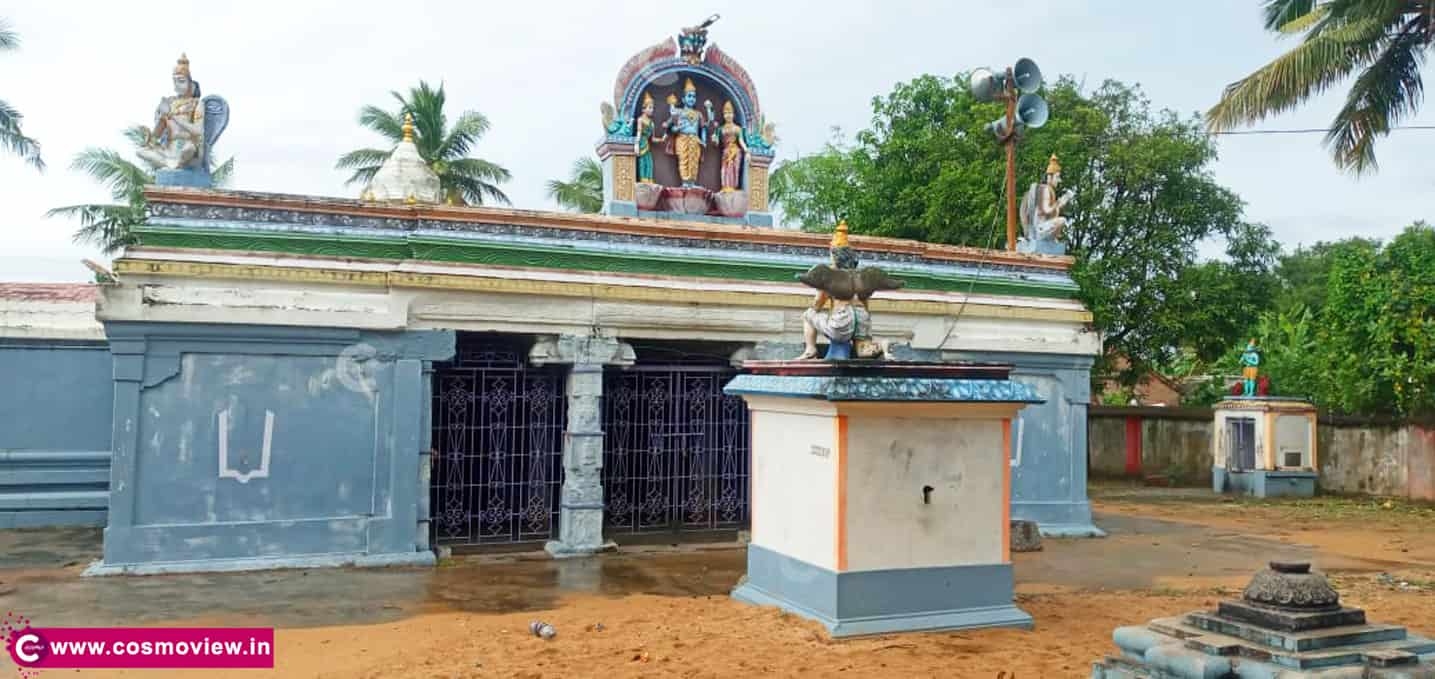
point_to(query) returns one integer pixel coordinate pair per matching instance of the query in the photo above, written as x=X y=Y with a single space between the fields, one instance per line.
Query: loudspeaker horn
x=1031 y=110
x=997 y=128
x=985 y=86
x=1027 y=75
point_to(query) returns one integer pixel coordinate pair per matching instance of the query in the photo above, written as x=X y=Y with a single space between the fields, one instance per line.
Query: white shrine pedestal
x=881 y=494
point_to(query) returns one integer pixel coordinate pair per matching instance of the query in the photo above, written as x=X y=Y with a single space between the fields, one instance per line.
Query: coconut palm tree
x=1382 y=42
x=11 y=137
x=583 y=192
x=108 y=225
x=464 y=180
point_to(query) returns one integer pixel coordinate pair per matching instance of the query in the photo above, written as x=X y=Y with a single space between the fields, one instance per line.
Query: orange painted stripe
x=841 y=532
x=1006 y=489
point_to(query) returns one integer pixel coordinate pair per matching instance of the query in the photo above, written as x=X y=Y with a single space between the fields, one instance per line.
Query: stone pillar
x=580 y=519
x=619 y=176
x=758 y=213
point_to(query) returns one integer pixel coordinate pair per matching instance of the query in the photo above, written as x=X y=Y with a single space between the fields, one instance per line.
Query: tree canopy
x=1144 y=199
x=583 y=192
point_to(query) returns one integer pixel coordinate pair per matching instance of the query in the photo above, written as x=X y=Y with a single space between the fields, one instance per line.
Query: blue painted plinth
x=193 y=177
x=860 y=603
x=1264 y=483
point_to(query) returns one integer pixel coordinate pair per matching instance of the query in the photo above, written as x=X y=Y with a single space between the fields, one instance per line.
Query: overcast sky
x=296 y=73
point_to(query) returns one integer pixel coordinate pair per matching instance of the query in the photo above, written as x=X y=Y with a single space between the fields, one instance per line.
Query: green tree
x=109 y=225
x=463 y=180
x=12 y=137
x=1382 y=42
x=927 y=170
x=583 y=192
x=1303 y=273
x=1377 y=330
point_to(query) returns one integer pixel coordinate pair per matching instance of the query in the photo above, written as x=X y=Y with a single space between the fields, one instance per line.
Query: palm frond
x=9 y=39
x=124 y=179
x=362 y=175
x=385 y=123
x=477 y=168
x=136 y=135
x=1304 y=22
x=1293 y=77
x=13 y=139
x=474 y=191
x=466 y=131
x=1278 y=13
x=108 y=227
x=223 y=173
x=1381 y=96
x=362 y=157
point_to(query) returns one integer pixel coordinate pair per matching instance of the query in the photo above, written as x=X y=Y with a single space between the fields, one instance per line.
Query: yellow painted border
x=569 y=289
x=1270 y=438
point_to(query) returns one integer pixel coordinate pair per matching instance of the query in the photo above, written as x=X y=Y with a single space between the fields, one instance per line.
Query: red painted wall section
x=1133 y=445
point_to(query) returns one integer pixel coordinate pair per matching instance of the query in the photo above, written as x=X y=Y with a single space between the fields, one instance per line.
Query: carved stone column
x=580 y=519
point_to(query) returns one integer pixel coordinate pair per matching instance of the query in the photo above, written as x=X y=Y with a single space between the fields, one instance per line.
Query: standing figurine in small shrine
x=848 y=325
x=1250 y=368
x=689 y=128
x=643 y=142
x=734 y=147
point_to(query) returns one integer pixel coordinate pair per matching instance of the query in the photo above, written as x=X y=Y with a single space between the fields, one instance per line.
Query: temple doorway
x=676 y=449
x=498 y=427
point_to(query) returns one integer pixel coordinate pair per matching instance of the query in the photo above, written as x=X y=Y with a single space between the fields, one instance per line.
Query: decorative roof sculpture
x=185 y=130
x=839 y=311
x=668 y=153
x=1041 y=220
x=404 y=177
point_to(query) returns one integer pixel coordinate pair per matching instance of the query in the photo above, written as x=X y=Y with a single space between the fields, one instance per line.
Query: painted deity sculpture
x=689 y=132
x=734 y=148
x=1250 y=368
x=1041 y=219
x=643 y=142
x=839 y=310
x=177 y=139
x=185 y=129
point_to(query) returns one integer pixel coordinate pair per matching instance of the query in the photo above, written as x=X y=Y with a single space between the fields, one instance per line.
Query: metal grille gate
x=1241 y=437
x=676 y=451
x=498 y=441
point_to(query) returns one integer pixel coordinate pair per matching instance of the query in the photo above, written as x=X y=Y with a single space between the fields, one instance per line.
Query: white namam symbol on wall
x=262 y=471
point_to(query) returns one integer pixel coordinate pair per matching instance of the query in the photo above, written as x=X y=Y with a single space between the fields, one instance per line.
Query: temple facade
x=303 y=381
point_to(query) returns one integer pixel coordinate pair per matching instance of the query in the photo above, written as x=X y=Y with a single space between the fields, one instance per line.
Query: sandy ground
x=665 y=613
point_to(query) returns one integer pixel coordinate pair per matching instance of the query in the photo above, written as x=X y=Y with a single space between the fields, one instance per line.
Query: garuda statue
x=1041 y=220
x=185 y=129
x=839 y=312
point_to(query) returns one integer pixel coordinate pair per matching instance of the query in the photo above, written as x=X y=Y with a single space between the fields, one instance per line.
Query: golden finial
x=368 y=196
x=412 y=199
x=1053 y=166
x=183 y=65
x=839 y=235
x=408 y=127
x=689 y=87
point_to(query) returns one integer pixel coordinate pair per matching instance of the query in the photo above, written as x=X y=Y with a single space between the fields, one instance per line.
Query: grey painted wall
x=55 y=404
x=1049 y=480
x=343 y=413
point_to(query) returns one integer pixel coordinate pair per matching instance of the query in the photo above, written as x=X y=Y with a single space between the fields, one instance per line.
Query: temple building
x=301 y=380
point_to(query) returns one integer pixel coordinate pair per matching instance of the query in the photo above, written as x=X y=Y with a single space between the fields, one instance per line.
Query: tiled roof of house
x=49 y=292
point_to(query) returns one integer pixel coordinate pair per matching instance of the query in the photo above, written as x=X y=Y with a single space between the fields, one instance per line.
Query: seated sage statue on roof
x=839 y=311
x=185 y=129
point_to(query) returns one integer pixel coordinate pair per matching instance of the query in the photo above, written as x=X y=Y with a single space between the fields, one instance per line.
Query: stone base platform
x=1264 y=483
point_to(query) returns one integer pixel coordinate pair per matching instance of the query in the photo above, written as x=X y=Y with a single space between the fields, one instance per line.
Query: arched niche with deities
x=684 y=157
